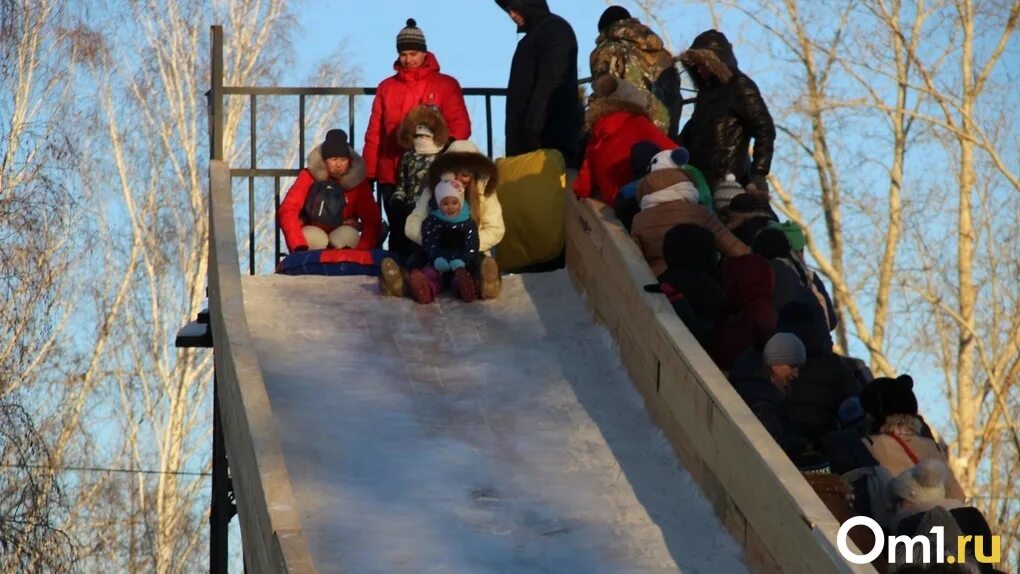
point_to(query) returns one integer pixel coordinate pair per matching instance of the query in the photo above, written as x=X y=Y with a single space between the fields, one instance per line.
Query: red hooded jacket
x=359 y=205
x=396 y=96
x=615 y=127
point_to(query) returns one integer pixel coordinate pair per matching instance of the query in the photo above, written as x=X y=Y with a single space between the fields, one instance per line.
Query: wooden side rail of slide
x=756 y=491
x=270 y=526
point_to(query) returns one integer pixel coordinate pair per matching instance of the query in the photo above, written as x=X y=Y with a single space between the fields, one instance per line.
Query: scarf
x=683 y=191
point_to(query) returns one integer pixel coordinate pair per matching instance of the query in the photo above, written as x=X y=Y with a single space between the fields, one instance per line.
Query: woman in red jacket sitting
x=417 y=81
x=331 y=203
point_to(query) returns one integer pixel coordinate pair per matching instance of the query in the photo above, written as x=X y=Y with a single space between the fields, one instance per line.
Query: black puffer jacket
x=728 y=112
x=825 y=379
x=543 y=108
x=750 y=378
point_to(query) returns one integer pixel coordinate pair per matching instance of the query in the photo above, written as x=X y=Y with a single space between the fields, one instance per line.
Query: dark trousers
x=399 y=244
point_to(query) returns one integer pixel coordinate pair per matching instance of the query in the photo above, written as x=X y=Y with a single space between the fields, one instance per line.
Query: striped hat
x=411 y=38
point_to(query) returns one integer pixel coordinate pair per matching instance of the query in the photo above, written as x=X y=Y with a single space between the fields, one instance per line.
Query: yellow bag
x=531 y=190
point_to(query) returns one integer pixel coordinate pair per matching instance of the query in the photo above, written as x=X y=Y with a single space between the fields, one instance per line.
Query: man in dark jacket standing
x=543 y=108
x=728 y=112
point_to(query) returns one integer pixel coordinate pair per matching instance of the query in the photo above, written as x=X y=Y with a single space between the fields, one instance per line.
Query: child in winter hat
x=626 y=203
x=669 y=197
x=450 y=238
x=678 y=159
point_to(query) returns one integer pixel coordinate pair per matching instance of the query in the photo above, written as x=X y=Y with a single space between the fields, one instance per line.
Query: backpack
x=920 y=524
x=873 y=494
x=324 y=206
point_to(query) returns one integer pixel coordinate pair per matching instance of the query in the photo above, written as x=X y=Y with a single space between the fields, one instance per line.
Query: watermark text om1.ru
x=909 y=543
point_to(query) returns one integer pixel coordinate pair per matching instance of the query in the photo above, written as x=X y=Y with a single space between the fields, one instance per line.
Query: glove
x=441 y=265
x=456 y=264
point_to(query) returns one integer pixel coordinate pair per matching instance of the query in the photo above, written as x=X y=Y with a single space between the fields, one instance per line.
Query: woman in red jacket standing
x=417 y=81
x=314 y=216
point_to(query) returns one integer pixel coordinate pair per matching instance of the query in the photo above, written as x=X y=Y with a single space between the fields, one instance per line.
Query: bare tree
x=140 y=406
x=151 y=122
x=36 y=222
x=895 y=156
x=31 y=498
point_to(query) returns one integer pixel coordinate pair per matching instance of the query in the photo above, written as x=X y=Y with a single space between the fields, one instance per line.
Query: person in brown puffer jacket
x=668 y=198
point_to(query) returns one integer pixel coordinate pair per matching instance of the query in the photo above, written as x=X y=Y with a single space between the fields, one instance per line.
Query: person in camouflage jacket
x=629 y=50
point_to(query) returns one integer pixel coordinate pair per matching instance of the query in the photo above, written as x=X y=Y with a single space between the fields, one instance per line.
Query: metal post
x=220 y=512
x=216 y=133
x=301 y=131
x=488 y=123
x=251 y=195
x=350 y=118
x=276 y=226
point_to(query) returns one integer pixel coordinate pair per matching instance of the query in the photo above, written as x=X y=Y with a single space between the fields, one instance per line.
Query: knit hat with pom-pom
x=669 y=159
x=725 y=191
x=411 y=38
x=887 y=396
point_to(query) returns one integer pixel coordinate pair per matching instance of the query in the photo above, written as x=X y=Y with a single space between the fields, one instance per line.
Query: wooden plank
x=270 y=525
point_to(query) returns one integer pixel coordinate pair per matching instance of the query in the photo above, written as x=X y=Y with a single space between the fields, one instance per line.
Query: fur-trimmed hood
x=710 y=57
x=354 y=176
x=610 y=95
x=601 y=108
x=427 y=116
x=453 y=161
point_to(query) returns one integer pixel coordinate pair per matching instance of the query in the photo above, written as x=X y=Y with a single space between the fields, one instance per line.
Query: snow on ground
x=501 y=436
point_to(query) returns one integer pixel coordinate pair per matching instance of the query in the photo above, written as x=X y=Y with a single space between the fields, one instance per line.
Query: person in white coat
x=461 y=161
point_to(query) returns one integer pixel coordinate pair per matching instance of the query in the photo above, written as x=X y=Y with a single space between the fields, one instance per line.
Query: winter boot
x=391 y=279
x=464 y=285
x=424 y=284
x=491 y=281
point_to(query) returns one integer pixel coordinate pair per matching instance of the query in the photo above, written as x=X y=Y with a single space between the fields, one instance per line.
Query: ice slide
x=501 y=436
x=369 y=434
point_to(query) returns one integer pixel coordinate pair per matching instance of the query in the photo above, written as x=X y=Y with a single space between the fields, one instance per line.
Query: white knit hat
x=449 y=188
x=924 y=482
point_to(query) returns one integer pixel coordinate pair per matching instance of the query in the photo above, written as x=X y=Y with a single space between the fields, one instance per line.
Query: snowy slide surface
x=498 y=436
